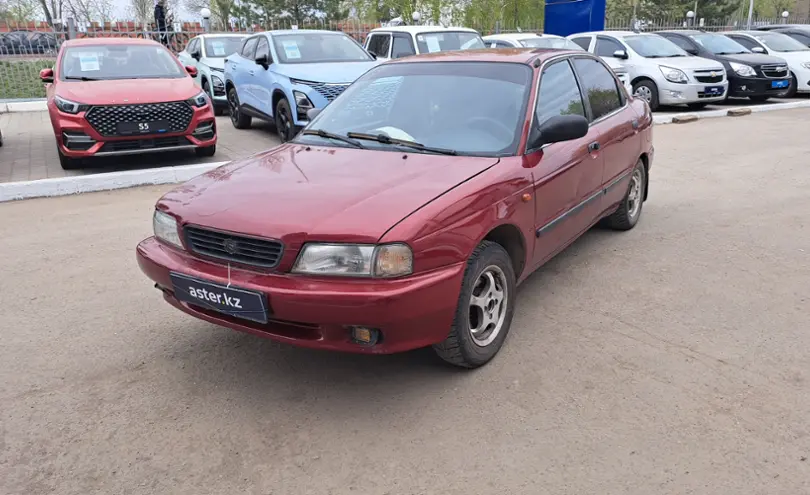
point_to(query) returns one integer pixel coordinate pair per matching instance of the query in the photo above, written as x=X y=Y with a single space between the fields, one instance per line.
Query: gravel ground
x=671 y=359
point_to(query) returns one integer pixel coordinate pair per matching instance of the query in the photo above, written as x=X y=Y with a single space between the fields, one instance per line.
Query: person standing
x=160 y=21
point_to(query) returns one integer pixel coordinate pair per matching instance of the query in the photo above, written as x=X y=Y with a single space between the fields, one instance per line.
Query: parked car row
x=27 y=43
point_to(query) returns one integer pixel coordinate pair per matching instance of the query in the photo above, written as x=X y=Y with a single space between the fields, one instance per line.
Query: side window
x=803 y=38
x=606 y=47
x=403 y=46
x=682 y=43
x=263 y=48
x=249 y=49
x=585 y=42
x=746 y=42
x=378 y=44
x=559 y=93
x=599 y=86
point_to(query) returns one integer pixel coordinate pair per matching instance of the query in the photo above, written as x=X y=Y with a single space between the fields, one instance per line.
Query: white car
x=403 y=41
x=660 y=72
x=207 y=53
x=551 y=41
x=794 y=52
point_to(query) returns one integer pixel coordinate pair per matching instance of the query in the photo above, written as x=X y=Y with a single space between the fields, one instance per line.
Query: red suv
x=120 y=96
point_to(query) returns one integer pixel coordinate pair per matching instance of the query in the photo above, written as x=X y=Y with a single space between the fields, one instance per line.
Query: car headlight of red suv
x=68 y=106
x=199 y=101
x=355 y=260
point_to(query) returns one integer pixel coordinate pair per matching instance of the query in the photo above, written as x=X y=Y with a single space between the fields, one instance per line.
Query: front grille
x=105 y=119
x=144 y=144
x=329 y=91
x=265 y=253
x=774 y=71
x=707 y=77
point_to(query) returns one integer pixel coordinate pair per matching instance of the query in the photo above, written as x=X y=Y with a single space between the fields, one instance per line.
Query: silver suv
x=660 y=71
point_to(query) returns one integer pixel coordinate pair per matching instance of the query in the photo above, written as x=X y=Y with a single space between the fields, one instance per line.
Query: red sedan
x=410 y=208
x=119 y=96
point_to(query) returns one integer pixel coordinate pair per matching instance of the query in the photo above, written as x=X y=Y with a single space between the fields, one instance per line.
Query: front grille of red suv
x=265 y=253
x=105 y=119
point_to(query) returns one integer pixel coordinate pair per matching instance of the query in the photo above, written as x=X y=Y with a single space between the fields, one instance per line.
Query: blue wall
x=564 y=17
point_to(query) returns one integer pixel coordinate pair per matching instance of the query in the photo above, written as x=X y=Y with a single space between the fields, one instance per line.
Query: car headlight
x=200 y=100
x=743 y=70
x=673 y=75
x=358 y=260
x=216 y=81
x=806 y=65
x=165 y=227
x=68 y=106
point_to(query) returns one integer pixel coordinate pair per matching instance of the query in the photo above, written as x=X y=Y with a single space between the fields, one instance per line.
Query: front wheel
x=647 y=91
x=794 y=86
x=67 y=162
x=206 y=152
x=626 y=217
x=285 y=126
x=485 y=308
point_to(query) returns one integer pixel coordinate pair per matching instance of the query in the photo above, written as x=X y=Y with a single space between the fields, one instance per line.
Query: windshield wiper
x=330 y=135
x=81 y=78
x=382 y=138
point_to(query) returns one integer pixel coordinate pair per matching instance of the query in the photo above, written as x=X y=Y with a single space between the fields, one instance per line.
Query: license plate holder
x=780 y=84
x=232 y=301
x=713 y=90
x=135 y=128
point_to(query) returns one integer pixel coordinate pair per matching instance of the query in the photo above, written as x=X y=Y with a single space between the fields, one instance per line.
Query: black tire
x=460 y=347
x=68 y=163
x=759 y=98
x=696 y=106
x=207 y=151
x=653 y=89
x=1 y=139
x=627 y=216
x=794 y=87
x=238 y=119
x=285 y=126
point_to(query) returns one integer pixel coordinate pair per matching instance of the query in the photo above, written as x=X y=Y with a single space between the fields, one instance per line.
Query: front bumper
x=755 y=86
x=803 y=79
x=76 y=138
x=314 y=312
x=681 y=94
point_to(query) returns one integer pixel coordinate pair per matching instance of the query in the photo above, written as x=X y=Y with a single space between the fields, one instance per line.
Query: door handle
x=250 y=72
x=594 y=146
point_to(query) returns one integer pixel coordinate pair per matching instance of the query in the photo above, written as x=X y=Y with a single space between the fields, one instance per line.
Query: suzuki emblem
x=230 y=246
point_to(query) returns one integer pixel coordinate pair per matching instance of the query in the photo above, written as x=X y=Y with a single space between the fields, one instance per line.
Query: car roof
x=685 y=32
x=421 y=29
x=750 y=33
x=492 y=55
x=222 y=35
x=519 y=36
x=109 y=41
x=615 y=34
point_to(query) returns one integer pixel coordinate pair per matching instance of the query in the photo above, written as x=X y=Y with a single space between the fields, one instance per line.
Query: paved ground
x=671 y=359
x=29 y=152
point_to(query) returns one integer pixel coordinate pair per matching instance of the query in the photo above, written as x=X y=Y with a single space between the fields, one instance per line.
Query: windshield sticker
x=218 y=48
x=89 y=63
x=291 y=49
x=433 y=44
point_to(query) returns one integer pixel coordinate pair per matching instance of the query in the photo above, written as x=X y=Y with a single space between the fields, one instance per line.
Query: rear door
x=568 y=176
x=616 y=124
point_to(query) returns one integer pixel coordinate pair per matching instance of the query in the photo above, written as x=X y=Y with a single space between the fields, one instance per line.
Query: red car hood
x=298 y=193
x=128 y=91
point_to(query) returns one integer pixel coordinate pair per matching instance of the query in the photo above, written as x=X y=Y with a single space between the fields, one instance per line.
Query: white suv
x=553 y=42
x=403 y=41
x=660 y=71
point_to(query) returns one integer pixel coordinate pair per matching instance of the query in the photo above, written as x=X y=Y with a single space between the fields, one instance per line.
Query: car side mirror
x=758 y=49
x=196 y=56
x=692 y=51
x=373 y=55
x=264 y=61
x=192 y=71
x=46 y=75
x=558 y=129
x=312 y=113
x=622 y=54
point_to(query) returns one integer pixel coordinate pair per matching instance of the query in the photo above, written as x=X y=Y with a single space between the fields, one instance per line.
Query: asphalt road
x=671 y=359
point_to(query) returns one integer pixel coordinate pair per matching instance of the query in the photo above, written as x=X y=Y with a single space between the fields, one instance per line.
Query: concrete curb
x=24 y=106
x=711 y=114
x=64 y=186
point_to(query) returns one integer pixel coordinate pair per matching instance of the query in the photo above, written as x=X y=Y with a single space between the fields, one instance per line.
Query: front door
x=264 y=79
x=568 y=175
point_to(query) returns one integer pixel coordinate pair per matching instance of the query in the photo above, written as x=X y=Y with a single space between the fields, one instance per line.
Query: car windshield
x=448 y=40
x=719 y=44
x=553 y=43
x=221 y=47
x=472 y=108
x=119 y=62
x=779 y=42
x=303 y=47
x=654 y=46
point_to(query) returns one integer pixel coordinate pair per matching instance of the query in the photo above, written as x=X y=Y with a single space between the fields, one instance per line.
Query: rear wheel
x=485 y=309
x=647 y=91
x=66 y=162
x=626 y=217
x=238 y=119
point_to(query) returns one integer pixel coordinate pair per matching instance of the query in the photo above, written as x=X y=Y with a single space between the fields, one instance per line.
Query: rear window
x=119 y=62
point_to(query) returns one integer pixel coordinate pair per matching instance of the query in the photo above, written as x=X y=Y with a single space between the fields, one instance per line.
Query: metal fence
x=26 y=49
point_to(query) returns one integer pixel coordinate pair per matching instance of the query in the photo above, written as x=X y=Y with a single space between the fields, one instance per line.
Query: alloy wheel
x=233 y=106
x=488 y=306
x=644 y=93
x=635 y=196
